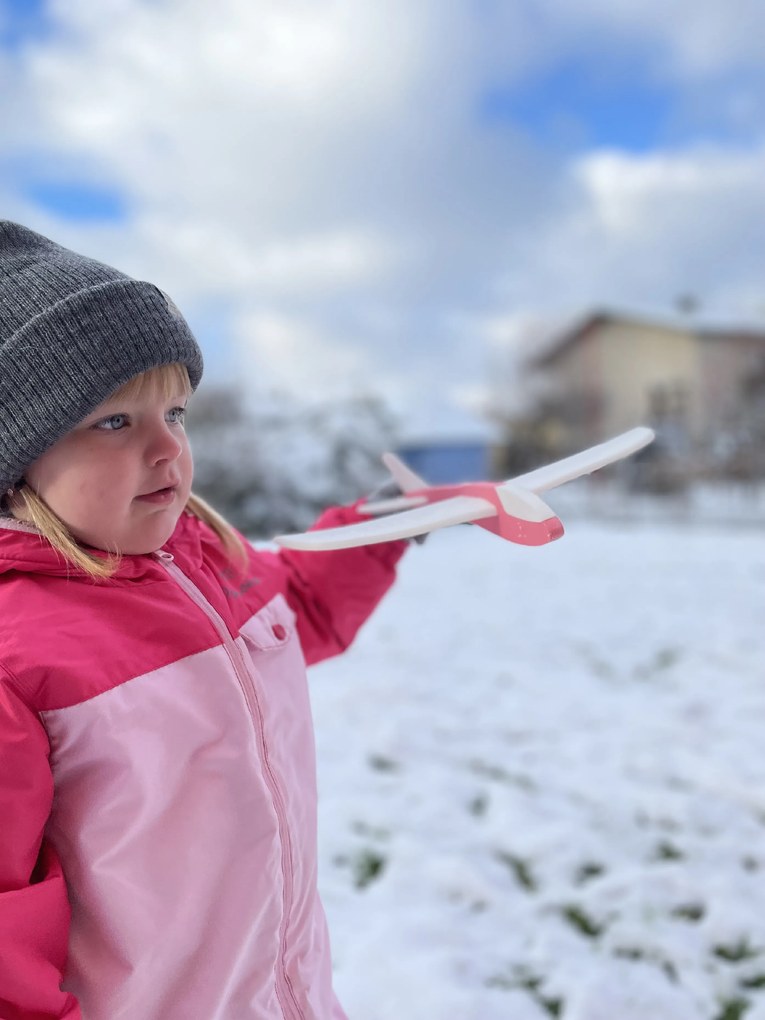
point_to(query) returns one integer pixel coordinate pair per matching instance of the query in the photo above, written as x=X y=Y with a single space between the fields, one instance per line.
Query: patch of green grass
x=368 y=866
x=647 y=821
x=581 y=921
x=735 y=952
x=520 y=868
x=757 y=981
x=552 y=1006
x=371 y=831
x=587 y=871
x=479 y=805
x=662 y=660
x=733 y=1009
x=670 y=970
x=689 y=912
x=500 y=775
x=602 y=669
x=635 y=953
x=629 y=953
x=500 y=981
x=530 y=983
x=666 y=851
x=520 y=977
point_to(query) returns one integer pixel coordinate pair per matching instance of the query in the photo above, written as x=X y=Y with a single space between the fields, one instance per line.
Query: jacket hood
x=24 y=550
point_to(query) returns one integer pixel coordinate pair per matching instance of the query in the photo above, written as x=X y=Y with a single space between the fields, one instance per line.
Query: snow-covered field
x=542 y=781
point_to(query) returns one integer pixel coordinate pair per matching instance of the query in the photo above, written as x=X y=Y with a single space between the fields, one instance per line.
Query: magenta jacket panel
x=157 y=778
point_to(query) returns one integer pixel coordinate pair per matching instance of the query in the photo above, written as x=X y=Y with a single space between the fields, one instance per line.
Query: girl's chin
x=135 y=543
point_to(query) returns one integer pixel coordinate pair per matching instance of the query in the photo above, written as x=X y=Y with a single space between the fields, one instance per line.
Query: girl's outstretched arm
x=34 y=909
x=333 y=593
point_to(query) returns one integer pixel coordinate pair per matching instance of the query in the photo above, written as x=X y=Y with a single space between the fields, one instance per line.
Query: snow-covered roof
x=585 y=324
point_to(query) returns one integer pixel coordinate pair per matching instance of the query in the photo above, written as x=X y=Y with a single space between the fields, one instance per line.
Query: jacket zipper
x=284 y=988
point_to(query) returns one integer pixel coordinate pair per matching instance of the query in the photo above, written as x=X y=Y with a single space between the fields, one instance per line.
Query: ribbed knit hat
x=72 y=331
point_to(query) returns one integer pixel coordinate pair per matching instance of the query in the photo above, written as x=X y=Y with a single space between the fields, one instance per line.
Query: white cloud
x=285 y=352
x=639 y=230
x=640 y=196
x=332 y=260
x=319 y=168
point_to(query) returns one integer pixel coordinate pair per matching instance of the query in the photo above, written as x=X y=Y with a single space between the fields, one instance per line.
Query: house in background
x=612 y=372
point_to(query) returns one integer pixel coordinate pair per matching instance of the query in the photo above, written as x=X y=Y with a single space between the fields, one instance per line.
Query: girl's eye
x=113 y=423
x=176 y=415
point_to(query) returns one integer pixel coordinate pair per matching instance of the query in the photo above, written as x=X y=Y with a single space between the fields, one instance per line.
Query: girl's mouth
x=160 y=496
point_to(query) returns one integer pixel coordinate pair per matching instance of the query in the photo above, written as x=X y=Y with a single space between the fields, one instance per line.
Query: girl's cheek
x=93 y=488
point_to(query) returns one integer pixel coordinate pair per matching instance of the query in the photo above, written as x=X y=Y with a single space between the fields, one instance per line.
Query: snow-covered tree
x=272 y=464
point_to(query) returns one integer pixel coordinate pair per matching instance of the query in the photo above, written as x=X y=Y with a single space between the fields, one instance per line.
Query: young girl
x=157 y=785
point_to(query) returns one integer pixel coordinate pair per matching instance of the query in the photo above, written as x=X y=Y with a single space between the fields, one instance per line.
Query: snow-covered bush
x=271 y=465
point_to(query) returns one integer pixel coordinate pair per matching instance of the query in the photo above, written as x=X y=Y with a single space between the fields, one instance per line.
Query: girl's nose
x=164 y=445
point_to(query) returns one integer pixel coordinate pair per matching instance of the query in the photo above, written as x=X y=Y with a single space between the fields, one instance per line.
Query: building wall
x=650 y=373
x=630 y=373
x=576 y=377
x=726 y=362
x=614 y=374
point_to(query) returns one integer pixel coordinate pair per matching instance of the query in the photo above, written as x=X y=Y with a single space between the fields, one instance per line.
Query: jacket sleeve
x=334 y=592
x=34 y=910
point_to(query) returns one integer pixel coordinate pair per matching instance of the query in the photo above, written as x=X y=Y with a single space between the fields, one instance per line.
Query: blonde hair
x=28 y=506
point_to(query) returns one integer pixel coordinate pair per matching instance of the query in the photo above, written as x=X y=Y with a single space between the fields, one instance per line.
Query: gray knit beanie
x=72 y=331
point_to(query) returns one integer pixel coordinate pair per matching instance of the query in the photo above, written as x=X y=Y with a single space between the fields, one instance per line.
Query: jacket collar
x=23 y=549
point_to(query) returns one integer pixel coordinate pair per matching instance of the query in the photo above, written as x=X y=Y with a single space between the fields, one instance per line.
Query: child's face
x=120 y=479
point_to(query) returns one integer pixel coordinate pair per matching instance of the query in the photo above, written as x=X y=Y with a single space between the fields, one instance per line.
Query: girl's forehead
x=164 y=382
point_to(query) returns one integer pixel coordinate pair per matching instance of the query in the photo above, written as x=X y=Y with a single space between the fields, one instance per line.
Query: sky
x=400 y=198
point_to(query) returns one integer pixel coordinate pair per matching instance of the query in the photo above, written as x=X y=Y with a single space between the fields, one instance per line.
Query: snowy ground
x=543 y=781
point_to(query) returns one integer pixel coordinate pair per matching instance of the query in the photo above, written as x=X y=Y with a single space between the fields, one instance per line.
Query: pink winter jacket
x=157 y=779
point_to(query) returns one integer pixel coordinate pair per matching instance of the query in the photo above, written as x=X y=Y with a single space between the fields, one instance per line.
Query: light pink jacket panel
x=183 y=813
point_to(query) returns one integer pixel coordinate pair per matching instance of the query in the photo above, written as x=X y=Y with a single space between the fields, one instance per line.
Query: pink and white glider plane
x=512 y=509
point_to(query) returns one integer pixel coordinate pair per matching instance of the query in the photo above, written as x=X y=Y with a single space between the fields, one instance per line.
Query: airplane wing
x=406 y=524
x=518 y=498
x=584 y=463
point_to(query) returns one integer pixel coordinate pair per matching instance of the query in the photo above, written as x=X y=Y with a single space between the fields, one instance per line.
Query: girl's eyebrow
x=98 y=415
x=110 y=407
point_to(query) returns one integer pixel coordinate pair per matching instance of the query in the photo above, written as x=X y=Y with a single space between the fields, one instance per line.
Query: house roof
x=594 y=320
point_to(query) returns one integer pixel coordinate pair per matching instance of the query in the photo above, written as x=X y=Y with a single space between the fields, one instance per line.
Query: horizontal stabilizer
x=407 y=524
x=391 y=506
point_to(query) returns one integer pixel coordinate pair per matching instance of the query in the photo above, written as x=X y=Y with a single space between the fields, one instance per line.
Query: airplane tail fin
x=405 y=478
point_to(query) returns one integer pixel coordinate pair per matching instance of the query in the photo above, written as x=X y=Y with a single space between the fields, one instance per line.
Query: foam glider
x=512 y=509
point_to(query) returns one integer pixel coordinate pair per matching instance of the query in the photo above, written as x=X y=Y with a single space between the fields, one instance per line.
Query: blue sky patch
x=77 y=201
x=22 y=20
x=576 y=107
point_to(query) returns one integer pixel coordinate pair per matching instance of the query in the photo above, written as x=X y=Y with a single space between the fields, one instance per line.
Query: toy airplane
x=513 y=509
